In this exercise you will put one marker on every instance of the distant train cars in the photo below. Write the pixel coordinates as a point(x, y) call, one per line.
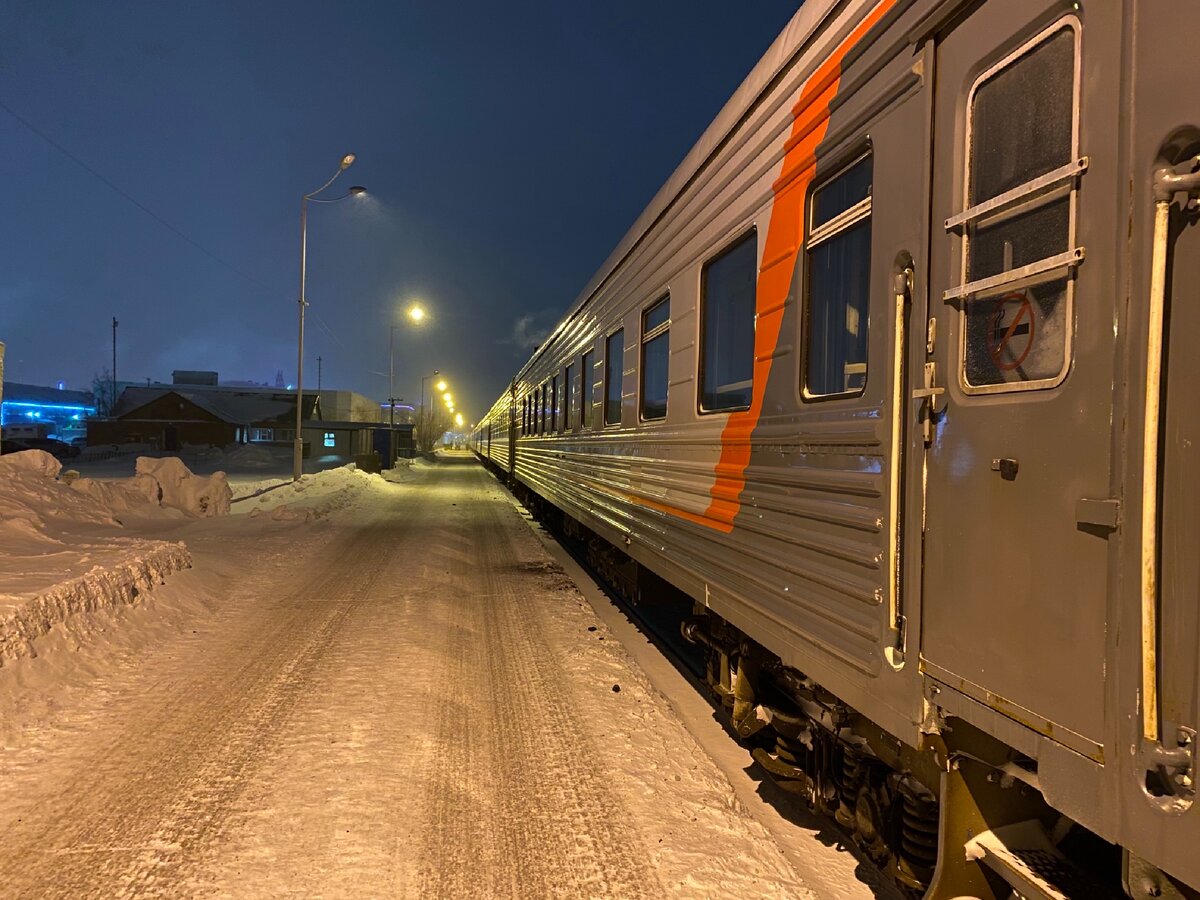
point(889, 381)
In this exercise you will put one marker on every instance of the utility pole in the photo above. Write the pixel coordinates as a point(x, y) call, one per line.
point(318, 374)
point(112, 402)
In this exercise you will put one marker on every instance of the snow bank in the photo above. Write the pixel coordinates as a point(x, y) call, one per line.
point(64, 551)
point(101, 588)
point(313, 496)
point(32, 499)
point(196, 495)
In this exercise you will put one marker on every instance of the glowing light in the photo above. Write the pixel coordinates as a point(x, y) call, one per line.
point(441, 385)
point(347, 160)
point(458, 420)
point(416, 313)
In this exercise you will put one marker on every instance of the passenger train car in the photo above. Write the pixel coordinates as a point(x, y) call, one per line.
point(889, 380)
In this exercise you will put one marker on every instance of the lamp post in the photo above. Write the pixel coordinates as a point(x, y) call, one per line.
point(391, 378)
point(423, 380)
point(417, 314)
point(298, 451)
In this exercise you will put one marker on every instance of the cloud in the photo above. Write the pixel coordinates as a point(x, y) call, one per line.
point(526, 333)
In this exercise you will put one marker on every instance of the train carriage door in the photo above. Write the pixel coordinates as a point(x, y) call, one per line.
point(1020, 370)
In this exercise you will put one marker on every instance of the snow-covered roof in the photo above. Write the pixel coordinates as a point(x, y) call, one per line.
point(234, 407)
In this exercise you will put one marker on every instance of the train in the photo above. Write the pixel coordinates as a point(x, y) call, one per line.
point(888, 383)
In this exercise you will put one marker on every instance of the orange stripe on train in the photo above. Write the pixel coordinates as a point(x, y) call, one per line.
point(810, 121)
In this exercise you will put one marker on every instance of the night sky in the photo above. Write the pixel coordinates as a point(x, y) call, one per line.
point(507, 147)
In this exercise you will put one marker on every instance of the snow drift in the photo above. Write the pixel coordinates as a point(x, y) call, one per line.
point(64, 551)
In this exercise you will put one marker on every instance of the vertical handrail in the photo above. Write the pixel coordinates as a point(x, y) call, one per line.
point(903, 292)
point(1168, 181)
point(1150, 468)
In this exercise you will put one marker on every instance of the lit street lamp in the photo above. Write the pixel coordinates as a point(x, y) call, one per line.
point(417, 315)
point(298, 452)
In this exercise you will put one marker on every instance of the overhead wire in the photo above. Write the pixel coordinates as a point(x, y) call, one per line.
point(121, 192)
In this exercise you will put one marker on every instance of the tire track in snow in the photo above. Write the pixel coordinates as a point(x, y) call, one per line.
point(144, 809)
point(562, 832)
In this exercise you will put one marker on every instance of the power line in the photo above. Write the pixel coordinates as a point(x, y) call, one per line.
point(151, 213)
point(125, 194)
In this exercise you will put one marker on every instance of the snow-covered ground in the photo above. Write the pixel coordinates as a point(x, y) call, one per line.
point(362, 686)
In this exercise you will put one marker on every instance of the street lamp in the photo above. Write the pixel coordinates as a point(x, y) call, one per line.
point(417, 314)
point(441, 386)
point(357, 190)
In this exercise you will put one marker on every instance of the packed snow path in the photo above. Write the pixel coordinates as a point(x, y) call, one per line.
point(415, 702)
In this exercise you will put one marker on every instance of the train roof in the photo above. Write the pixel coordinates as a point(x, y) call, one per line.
point(805, 26)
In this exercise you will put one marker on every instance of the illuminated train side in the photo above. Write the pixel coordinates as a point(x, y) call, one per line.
point(882, 380)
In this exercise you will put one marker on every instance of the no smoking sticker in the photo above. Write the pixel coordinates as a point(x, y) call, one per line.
point(1011, 331)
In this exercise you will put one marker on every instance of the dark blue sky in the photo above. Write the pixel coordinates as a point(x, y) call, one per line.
point(507, 147)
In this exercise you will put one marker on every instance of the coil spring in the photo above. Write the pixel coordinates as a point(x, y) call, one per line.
point(919, 828)
point(851, 780)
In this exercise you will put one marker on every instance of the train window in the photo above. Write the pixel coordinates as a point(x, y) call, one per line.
point(553, 404)
point(727, 291)
point(569, 394)
point(1017, 225)
point(544, 424)
point(656, 326)
point(839, 269)
point(587, 394)
point(614, 363)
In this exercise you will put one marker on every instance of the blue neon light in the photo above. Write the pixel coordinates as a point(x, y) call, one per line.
point(88, 409)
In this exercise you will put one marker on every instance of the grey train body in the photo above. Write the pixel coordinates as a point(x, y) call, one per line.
point(889, 380)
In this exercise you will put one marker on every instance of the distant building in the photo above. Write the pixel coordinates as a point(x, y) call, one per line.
point(187, 376)
point(348, 406)
point(45, 411)
point(197, 410)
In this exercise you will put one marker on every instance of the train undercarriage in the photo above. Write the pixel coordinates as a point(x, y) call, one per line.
point(961, 815)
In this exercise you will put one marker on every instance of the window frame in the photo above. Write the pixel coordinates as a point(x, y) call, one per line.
point(745, 234)
point(553, 404)
point(608, 379)
point(815, 237)
point(587, 388)
point(1026, 204)
point(661, 330)
point(568, 397)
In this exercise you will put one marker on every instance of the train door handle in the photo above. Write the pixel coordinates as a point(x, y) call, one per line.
point(926, 395)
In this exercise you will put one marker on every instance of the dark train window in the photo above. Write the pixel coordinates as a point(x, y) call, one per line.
point(554, 403)
point(587, 396)
point(545, 424)
point(727, 292)
point(569, 394)
point(614, 363)
point(1021, 131)
point(656, 327)
point(839, 270)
